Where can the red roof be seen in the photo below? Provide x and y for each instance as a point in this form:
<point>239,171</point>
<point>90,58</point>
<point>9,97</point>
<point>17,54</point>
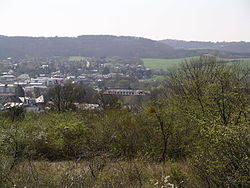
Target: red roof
<point>6,94</point>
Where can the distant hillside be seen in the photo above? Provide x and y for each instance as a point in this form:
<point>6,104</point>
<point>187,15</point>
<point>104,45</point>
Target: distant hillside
<point>237,47</point>
<point>90,46</point>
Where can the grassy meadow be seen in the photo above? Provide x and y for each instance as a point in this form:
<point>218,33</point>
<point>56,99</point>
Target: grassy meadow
<point>76,58</point>
<point>164,63</point>
<point>243,61</point>
<point>172,63</point>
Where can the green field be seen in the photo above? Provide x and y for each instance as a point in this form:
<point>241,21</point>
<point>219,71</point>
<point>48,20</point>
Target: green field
<point>76,58</point>
<point>170,63</point>
<point>164,63</point>
<point>243,61</point>
<point>160,78</point>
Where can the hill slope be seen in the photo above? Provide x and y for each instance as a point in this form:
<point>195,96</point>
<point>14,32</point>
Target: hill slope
<point>237,47</point>
<point>90,46</point>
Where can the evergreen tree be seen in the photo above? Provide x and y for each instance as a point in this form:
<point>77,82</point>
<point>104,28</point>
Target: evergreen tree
<point>19,91</point>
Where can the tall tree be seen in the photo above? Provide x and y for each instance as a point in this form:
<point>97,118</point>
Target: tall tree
<point>19,92</point>
<point>63,97</point>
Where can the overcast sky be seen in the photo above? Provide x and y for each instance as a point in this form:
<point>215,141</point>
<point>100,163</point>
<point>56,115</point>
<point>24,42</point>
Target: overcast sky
<point>204,20</point>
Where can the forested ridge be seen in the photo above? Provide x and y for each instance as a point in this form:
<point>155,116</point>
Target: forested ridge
<point>89,46</point>
<point>121,46</point>
<point>237,47</point>
<point>109,46</point>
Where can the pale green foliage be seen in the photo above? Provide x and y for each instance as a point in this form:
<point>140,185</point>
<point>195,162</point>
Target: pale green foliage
<point>213,99</point>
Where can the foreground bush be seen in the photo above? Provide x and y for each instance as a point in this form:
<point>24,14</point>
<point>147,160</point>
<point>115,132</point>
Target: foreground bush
<point>223,156</point>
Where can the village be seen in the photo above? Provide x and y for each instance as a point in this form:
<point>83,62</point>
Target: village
<point>24,81</point>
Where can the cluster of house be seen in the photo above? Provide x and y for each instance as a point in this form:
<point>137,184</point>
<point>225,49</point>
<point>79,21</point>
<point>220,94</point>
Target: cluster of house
<point>92,75</point>
<point>88,72</point>
<point>9,99</point>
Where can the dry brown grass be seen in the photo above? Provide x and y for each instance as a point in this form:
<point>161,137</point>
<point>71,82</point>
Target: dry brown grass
<point>101,173</point>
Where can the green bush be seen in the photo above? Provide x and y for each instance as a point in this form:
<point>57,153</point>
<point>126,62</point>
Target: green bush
<point>223,156</point>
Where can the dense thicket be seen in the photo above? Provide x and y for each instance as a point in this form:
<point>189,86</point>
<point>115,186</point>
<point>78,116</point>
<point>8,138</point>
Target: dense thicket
<point>214,100</point>
<point>201,122</point>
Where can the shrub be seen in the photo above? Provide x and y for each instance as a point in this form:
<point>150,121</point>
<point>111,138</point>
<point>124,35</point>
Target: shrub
<point>223,156</point>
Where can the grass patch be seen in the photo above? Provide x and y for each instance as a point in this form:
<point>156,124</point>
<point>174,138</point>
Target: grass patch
<point>164,63</point>
<point>159,78</point>
<point>77,58</point>
<point>171,63</point>
<point>242,61</point>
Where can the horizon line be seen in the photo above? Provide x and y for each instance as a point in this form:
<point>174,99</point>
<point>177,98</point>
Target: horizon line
<point>61,36</point>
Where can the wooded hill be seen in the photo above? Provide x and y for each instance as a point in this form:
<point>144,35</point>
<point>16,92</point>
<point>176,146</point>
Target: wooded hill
<point>237,47</point>
<point>88,45</point>
<point>107,46</point>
